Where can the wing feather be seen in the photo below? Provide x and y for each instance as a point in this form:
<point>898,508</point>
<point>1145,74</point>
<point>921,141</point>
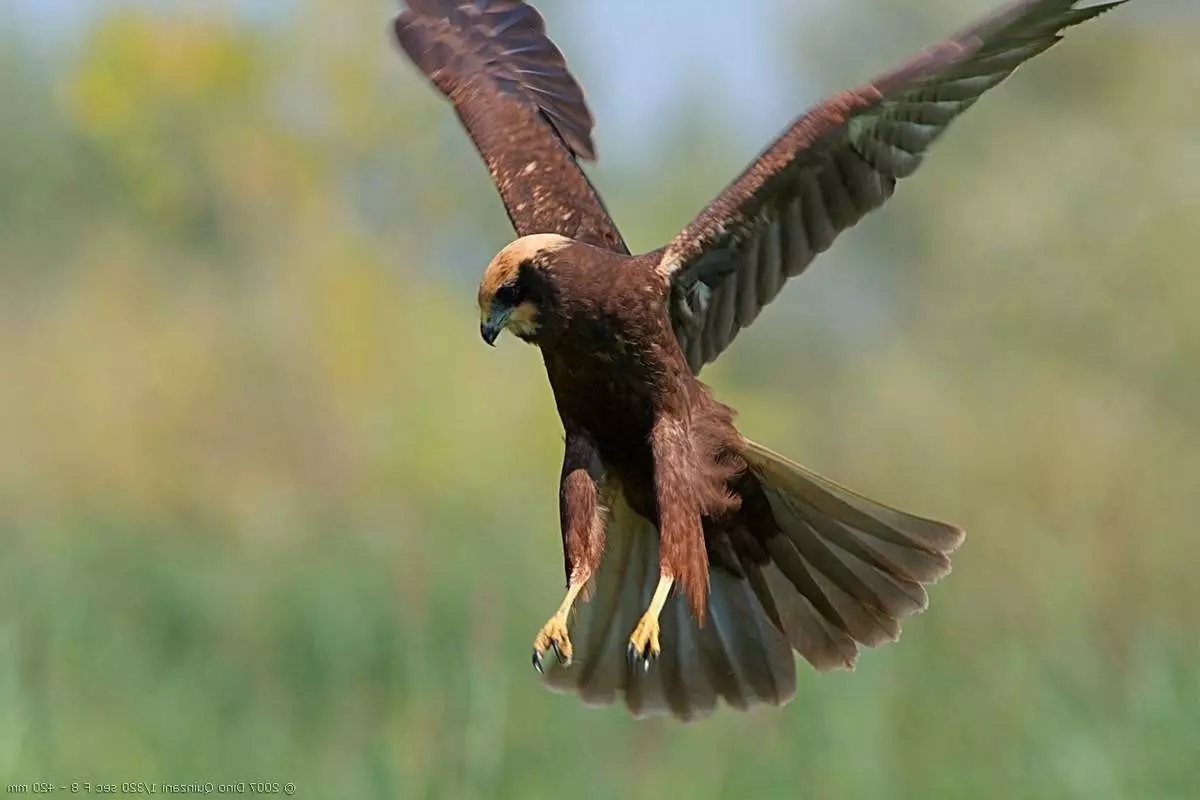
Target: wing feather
<point>522,107</point>
<point>834,165</point>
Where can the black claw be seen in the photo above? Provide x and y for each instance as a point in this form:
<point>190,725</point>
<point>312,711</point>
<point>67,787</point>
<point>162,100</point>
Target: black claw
<point>537,661</point>
<point>642,658</point>
<point>557,652</point>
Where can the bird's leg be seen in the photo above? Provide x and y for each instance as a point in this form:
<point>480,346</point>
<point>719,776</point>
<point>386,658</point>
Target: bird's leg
<point>553,635</point>
<point>682,556</point>
<point>583,538</point>
<point>644,646</point>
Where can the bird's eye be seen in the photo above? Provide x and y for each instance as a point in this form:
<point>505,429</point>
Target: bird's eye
<point>509,294</point>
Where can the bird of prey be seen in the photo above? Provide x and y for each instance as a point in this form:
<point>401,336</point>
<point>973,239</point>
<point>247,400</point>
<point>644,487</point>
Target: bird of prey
<point>705,559</point>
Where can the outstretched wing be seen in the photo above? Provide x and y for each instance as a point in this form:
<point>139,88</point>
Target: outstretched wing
<point>522,107</point>
<point>835,164</point>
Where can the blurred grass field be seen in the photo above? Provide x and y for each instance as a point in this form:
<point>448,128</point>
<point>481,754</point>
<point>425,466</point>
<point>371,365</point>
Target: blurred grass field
<point>269,510</point>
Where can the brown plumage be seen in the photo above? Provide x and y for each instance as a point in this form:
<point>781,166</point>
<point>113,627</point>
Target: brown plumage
<point>658,490</point>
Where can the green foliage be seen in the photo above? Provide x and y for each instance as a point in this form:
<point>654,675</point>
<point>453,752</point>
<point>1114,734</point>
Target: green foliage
<point>268,509</point>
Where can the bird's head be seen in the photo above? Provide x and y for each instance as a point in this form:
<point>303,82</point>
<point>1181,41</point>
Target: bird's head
<point>517,291</point>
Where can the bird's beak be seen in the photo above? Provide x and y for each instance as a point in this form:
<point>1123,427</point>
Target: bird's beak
<point>493,323</point>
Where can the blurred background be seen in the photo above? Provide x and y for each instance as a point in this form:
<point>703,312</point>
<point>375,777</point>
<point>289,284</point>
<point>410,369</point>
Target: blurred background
<point>270,510</point>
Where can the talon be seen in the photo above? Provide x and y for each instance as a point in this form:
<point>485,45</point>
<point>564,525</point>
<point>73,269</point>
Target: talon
<point>552,636</point>
<point>643,642</point>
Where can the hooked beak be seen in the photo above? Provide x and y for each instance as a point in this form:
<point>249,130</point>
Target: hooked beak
<point>493,324</point>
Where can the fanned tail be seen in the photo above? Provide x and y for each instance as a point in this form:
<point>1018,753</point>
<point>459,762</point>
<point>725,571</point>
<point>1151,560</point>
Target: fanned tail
<point>829,571</point>
<point>739,654</point>
<point>843,570</point>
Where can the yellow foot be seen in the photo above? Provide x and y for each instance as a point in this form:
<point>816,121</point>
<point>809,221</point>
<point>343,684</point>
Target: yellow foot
<point>553,635</point>
<point>643,643</point>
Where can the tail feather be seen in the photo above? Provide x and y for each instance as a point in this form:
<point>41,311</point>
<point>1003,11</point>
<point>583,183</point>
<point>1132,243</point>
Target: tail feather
<point>895,594</point>
<point>912,565</point>
<point>739,655</point>
<point>834,571</point>
<point>863,616</point>
<point>850,594</point>
<point>607,618</point>
<point>821,642</point>
<point>867,517</point>
<point>690,689</point>
<point>645,693</point>
<point>850,568</point>
<point>753,646</point>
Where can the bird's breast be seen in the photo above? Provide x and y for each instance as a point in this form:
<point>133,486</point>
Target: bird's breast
<point>609,395</point>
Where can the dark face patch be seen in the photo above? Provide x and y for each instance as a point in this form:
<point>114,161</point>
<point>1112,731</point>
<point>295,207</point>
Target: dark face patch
<point>510,295</point>
<point>520,302</point>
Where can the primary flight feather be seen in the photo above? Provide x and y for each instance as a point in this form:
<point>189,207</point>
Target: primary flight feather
<point>706,559</point>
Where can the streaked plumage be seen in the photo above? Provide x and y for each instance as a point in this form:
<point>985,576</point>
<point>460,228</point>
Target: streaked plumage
<point>658,489</point>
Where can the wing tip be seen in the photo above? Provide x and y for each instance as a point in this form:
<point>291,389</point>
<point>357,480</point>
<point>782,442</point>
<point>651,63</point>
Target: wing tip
<point>475,30</point>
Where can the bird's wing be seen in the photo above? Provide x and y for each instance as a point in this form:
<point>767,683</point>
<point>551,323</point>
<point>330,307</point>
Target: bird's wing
<point>522,107</point>
<point>835,164</point>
